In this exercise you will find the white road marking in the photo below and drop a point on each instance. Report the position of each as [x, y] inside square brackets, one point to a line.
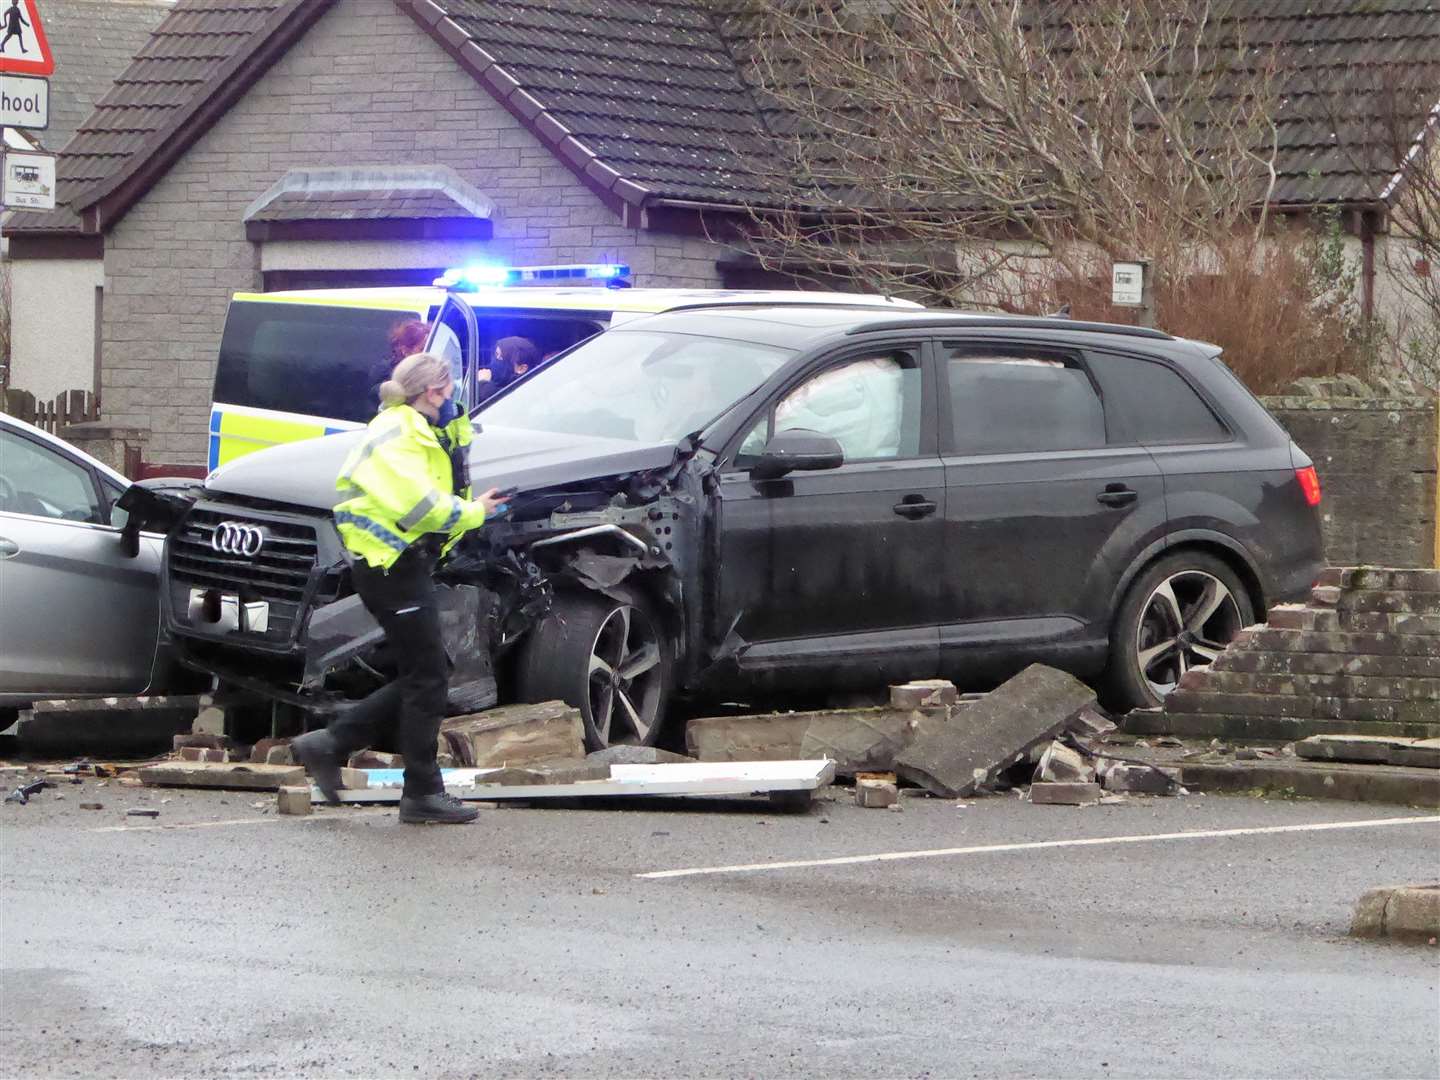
[986, 849]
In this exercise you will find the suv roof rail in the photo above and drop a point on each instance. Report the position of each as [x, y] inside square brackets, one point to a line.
[784, 305]
[933, 320]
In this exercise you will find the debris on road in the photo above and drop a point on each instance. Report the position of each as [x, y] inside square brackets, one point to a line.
[24, 792]
[954, 760]
[92, 806]
[637, 755]
[515, 735]
[1127, 778]
[798, 779]
[237, 775]
[876, 794]
[293, 800]
[142, 811]
[1402, 912]
[1046, 793]
[856, 740]
[923, 694]
[1063, 764]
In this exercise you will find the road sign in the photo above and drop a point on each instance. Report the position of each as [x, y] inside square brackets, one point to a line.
[1127, 284]
[24, 102]
[29, 181]
[24, 49]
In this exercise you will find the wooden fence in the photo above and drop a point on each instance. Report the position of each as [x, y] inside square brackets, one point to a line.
[70, 407]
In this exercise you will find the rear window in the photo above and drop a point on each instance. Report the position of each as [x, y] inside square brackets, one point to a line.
[305, 358]
[1150, 404]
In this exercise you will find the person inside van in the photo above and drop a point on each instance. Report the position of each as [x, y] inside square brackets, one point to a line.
[513, 357]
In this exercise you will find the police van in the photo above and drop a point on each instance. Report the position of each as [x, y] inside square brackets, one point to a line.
[296, 365]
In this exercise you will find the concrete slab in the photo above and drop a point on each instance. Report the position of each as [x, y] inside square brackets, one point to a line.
[515, 735]
[994, 733]
[205, 774]
[1402, 912]
[856, 740]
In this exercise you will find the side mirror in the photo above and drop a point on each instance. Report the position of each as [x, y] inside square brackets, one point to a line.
[797, 450]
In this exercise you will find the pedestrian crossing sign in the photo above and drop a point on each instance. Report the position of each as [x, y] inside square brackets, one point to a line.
[24, 49]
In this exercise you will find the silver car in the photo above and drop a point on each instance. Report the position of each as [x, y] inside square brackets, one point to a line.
[79, 616]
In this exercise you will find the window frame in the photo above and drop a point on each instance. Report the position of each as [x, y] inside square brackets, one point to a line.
[1073, 354]
[919, 348]
[1121, 428]
[103, 503]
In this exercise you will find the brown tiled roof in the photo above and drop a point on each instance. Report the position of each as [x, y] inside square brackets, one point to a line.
[93, 41]
[646, 100]
[187, 60]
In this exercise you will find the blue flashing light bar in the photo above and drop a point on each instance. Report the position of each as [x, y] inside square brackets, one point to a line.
[489, 276]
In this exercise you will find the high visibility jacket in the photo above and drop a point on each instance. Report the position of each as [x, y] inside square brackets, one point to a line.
[399, 484]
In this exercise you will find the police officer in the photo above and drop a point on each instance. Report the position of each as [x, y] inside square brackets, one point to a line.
[404, 502]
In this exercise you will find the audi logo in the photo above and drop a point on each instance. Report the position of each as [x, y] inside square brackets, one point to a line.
[237, 538]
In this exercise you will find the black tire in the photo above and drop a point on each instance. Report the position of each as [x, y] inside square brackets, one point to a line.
[1145, 622]
[555, 662]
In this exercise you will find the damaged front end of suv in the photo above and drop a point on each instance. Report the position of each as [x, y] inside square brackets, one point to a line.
[256, 585]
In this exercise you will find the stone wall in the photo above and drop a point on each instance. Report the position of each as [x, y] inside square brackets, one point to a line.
[1377, 460]
[335, 99]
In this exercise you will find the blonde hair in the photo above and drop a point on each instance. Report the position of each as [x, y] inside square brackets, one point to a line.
[414, 375]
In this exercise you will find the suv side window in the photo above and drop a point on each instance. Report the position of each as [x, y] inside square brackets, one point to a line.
[870, 405]
[1007, 399]
[1148, 403]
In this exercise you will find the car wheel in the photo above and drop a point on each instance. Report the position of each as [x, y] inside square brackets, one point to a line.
[1177, 615]
[607, 657]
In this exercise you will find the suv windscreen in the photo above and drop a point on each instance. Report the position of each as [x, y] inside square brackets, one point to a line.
[639, 386]
[319, 360]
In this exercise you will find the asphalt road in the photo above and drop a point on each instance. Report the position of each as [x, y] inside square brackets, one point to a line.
[347, 944]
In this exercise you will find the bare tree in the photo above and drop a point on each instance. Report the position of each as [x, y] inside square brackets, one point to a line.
[1409, 160]
[1081, 132]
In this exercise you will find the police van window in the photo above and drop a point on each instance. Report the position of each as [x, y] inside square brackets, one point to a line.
[314, 359]
[1012, 399]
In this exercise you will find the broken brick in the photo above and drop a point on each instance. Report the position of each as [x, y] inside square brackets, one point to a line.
[876, 794]
[293, 800]
[923, 694]
[1123, 777]
[1062, 764]
[1073, 794]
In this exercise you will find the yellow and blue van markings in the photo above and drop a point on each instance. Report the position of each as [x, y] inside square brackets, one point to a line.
[236, 430]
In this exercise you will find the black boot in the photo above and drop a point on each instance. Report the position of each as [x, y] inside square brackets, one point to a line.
[439, 809]
[317, 752]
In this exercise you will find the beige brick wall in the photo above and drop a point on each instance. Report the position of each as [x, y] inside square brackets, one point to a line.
[364, 86]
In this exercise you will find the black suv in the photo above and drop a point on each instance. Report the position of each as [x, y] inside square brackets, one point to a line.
[762, 502]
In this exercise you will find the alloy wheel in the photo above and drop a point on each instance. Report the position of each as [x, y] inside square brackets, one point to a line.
[626, 677]
[1186, 622]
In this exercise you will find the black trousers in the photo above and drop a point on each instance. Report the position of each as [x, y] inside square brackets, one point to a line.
[403, 603]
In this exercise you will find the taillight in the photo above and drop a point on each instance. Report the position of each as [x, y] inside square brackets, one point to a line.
[1309, 483]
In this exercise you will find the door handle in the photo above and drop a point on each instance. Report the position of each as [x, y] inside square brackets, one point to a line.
[1117, 495]
[915, 507]
[8, 548]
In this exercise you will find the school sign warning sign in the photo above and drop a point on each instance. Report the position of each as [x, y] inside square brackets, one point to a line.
[24, 49]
